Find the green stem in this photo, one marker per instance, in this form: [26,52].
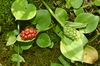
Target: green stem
[52,13]
[18,63]
[18,27]
[62,60]
[94,37]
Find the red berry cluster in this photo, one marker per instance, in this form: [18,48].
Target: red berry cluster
[28,34]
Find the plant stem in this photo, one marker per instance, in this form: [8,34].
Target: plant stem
[18,27]
[62,60]
[18,64]
[52,13]
[94,37]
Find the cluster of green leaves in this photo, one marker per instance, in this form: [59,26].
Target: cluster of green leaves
[25,11]
[84,23]
[72,48]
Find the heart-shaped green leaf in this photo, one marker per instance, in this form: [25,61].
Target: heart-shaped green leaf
[73,49]
[11,40]
[76,3]
[22,10]
[15,58]
[43,40]
[88,19]
[42,20]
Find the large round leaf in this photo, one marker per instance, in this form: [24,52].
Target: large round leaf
[88,19]
[22,10]
[42,20]
[73,50]
[43,40]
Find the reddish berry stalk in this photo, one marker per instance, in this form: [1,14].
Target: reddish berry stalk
[28,34]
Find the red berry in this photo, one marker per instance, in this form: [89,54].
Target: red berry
[26,32]
[31,31]
[34,31]
[29,36]
[22,34]
[23,31]
[25,37]
[33,35]
[27,29]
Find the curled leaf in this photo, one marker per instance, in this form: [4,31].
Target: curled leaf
[90,55]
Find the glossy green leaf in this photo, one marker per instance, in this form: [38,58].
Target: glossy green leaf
[73,50]
[21,40]
[61,14]
[22,10]
[88,19]
[43,40]
[78,11]
[11,40]
[42,19]
[76,3]
[97,2]
[14,58]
